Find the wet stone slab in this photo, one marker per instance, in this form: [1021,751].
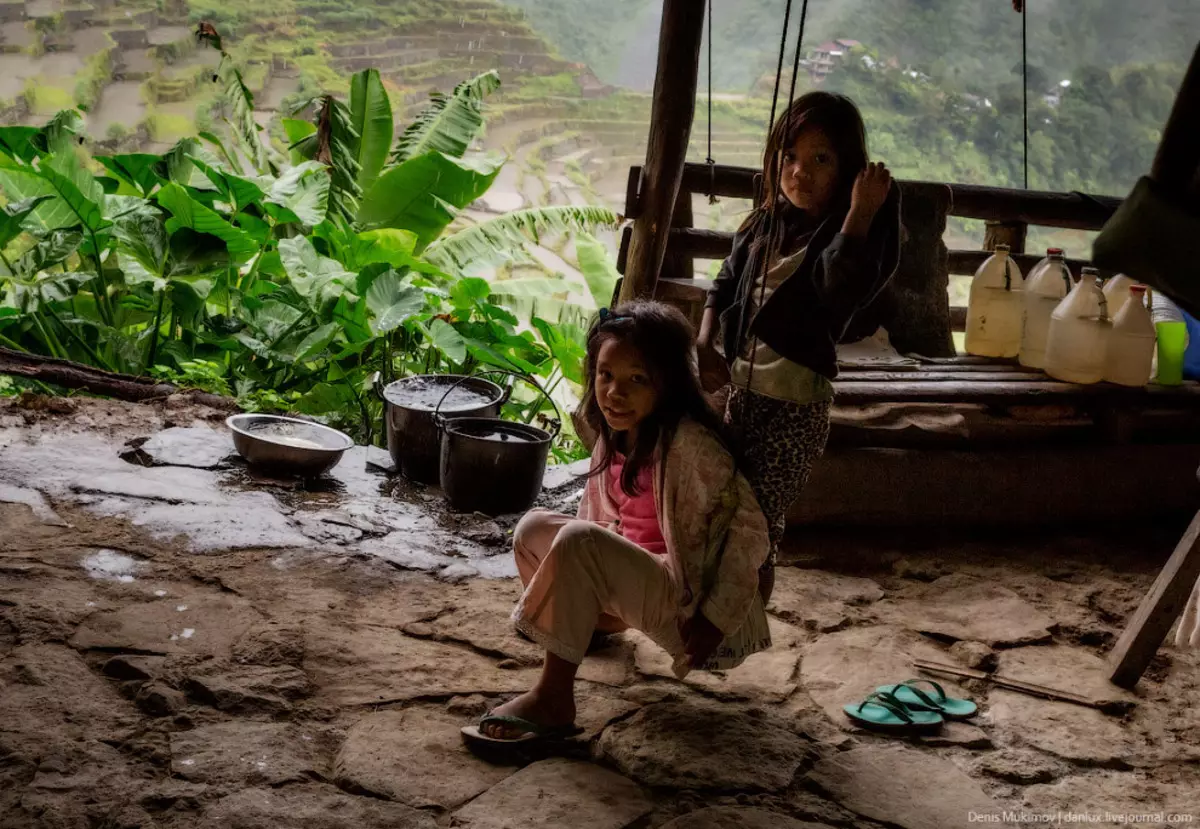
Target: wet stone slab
[197,446]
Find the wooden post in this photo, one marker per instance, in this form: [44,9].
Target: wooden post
[920,314]
[671,114]
[1158,611]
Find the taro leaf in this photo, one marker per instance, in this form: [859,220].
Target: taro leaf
[395,247]
[567,347]
[195,253]
[317,341]
[302,194]
[239,191]
[318,279]
[300,132]
[188,213]
[13,214]
[466,292]
[14,143]
[49,252]
[447,340]
[391,302]
[60,135]
[118,207]
[226,156]
[275,318]
[327,397]
[134,169]
[142,242]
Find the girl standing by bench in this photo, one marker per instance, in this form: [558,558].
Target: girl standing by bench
[821,244]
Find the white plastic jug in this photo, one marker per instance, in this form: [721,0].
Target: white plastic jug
[994,309]
[1047,284]
[1116,291]
[1079,331]
[1131,343]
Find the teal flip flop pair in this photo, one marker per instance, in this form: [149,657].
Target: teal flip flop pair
[906,709]
[532,734]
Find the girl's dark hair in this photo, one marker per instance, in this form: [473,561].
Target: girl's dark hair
[837,117]
[665,340]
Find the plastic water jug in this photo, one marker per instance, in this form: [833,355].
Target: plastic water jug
[1172,333]
[1131,344]
[994,308]
[1079,331]
[1047,284]
[1116,291]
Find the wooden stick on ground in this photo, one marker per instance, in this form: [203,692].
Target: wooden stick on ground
[85,378]
[1107,706]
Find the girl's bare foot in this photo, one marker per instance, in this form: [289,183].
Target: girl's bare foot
[537,706]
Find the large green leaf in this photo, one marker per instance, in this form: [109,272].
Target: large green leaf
[488,242]
[597,267]
[275,318]
[186,212]
[423,194]
[302,193]
[568,347]
[318,279]
[393,247]
[14,143]
[391,302]
[143,244]
[450,123]
[371,113]
[316,341]
[87,207]
[60,135]
[13,214]
[447,340]
[135,169]
[550,297]
[239,191]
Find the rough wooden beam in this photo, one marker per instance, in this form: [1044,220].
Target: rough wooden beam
[917,303]
[1010,393]
[666,151]
[1081,211]
[1158,610]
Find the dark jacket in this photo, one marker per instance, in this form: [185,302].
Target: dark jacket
[811,311]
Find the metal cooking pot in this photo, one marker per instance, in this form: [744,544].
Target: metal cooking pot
[494,466]
[409,405]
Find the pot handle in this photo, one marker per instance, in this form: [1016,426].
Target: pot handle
[555,423]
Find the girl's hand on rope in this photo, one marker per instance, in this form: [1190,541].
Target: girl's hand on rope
[870,191]
[714,371]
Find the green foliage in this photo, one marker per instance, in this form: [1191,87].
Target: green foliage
[450,123]
[219,270]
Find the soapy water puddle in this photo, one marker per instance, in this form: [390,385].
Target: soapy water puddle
[110,565]
[356,508]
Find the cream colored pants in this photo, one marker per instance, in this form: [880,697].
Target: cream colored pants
[1188,634]
[579,576]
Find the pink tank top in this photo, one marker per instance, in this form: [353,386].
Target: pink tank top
[638,513]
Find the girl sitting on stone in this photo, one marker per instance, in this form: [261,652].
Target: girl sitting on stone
[668,538]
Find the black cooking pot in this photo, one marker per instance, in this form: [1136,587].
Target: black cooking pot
[494,466]
[410,404]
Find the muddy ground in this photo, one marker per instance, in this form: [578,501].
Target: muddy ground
[183,645]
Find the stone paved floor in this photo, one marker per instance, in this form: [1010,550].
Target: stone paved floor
[182,646]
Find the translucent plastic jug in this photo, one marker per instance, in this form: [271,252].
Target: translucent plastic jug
[1116,291]
[1172,333]
[1047,284]
[994,309]
[1131,344]
[1079,331]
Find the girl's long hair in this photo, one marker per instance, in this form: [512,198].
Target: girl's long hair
[836,116]
[665,340]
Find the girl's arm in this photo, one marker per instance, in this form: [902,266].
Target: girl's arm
[859,261]
[724,289]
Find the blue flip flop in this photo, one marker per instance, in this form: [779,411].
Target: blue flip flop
[531,732]
[883,711]
[915,699]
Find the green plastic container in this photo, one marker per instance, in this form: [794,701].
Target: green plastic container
[1172,333]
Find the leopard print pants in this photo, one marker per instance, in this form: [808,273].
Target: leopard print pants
[779,442]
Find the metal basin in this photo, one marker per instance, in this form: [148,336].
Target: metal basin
[287,445]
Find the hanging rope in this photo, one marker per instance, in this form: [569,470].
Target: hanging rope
[773,209]
[1025,95]
[712,168]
